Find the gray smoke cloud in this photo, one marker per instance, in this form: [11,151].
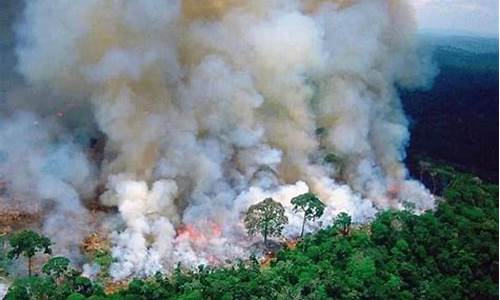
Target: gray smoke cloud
[208,107]
[44,172]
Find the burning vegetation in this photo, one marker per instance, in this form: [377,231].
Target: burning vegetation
[95,243]
[334,263]
[160,124]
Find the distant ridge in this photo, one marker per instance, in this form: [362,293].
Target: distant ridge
[474,44]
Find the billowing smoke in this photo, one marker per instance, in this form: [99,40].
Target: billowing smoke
[45,172]
[207,107]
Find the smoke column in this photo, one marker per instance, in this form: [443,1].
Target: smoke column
[208,107]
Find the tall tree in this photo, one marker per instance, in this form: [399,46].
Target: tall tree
[27,243]
[266,217]
[343,222]
[310,205]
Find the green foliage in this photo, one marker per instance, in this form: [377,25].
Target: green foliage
[332,158]
[5,261]
[31,288]
[266,217]
[104,259]
[28,243]
[58,282]
[343,223]
[76,296]
[450,253]
[310,206]
[56,267]
[320,131]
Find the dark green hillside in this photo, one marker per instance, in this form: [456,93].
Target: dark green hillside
[457,120]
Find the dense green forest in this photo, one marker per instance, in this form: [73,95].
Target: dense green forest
[449,253]
[456,121]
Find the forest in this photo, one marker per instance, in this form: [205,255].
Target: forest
[443,254]
[461,106]
[297,149]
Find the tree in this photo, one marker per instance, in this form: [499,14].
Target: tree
[56,267]
[104,259]
[311,206]
[35,287]
[266,217]
[343,222]
[28,243]
[76,296]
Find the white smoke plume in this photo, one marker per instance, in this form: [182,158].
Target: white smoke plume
[44,172]
[208,107]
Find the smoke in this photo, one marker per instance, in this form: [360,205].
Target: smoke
[3,289]
[44,172]
[208,107]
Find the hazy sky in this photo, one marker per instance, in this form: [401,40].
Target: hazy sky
[462,16]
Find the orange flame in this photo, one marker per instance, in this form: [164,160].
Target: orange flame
[190,232]
[194,234]
[216,229]
[267,259]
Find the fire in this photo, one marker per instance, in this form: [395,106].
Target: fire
[268,257]
[201,238]
[393,191]
[184,107]
[216,229]
[197,235]
[190,232]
